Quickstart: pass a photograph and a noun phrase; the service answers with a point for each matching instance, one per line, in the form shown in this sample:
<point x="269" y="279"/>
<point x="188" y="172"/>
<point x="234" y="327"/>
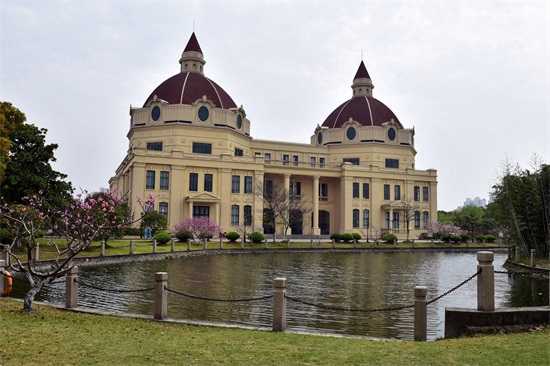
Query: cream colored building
<point x="190" y="147"/>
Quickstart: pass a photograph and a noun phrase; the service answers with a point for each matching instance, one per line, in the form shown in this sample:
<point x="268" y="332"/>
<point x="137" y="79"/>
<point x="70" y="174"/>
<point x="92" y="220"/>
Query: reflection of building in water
<point x="190" y="146"/>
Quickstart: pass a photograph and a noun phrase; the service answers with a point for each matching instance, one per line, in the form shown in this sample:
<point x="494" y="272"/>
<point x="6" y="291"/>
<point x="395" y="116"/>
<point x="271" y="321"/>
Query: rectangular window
<point x="425" y="194"/>
<point x="268" y="186"/>
<point x="234" y="215"/>
<point x="208" y="182"/>
<point x="193" y="182"/>
<point x="201" y="211"/>
<point x="238" y="152"/>
<point x="286" y="159"/>
<point x="417" y="219"/>
<point x="425" y="218"/>
<point x="313" y="161"/>
<point x="150" y="179"/>
<point x="386" y="192"/>
<point x="354" y="161"/>
<point x="322" y="162"/>
<point x="397" y="192"/>
<point x="366" y="219"/>
<point x="247" y="184"/>
<point x="236" y="184"/>
<point x="366" y="191"/>
<point x="295" y="189"/>
<point x="202" y="148"/>
<point x="416" y="193"/>
<point x="154" y="146"/>
<point x="164" y="180"/>
<point x="248" y="215"/>
<point x="323" y="191"/>
<point x="392" y="163"/>
<point x="396" y="220"/>
<point x="355" y="218"/>
<point x="163" y="208"/>
<point x="295" y="160"/>
<point x="355" y="190"/>
<point x="267" y="158"/>
<point x="387" y="217"/>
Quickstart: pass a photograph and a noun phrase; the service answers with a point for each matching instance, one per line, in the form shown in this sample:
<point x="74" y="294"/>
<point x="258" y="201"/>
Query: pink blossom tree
<point x="86" y="219"/>
<point x="199" y="227"/>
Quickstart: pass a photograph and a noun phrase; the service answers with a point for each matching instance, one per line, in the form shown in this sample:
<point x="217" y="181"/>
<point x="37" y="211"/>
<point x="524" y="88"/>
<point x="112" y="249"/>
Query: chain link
<point x="529" y="272"/>
<point x="456" y="287"/>
<point x="112" y="290"/>
<point x="348" y="309"/>
<point x="218" y="300"/>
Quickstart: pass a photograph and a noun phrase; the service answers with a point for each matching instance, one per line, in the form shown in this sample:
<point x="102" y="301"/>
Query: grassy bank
<point x="60" y="337"/>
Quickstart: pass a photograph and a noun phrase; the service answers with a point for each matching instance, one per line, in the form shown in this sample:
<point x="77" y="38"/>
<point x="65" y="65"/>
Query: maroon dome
<point x="188" y="87"/>
<point x="366" y="110"/>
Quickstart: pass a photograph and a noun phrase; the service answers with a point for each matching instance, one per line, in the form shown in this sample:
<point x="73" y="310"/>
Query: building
<point x="190" y="147"/>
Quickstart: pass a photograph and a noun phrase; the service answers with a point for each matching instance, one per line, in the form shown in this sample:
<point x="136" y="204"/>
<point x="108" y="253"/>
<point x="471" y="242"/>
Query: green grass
<point x="60" y="337"/>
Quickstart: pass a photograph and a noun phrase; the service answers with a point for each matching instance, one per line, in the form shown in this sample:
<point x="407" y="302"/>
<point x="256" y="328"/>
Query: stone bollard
<point x="412" y="243"/>
<point x="205" y="242"/>
<point x="242" y="243"/>
<point x="333" y="243"/>
<point x="279" y="304"/>
<point x="37" y="252"/>
<point x="6" y="258"/>
<point x="288" y="243"/>
<point x="2" y="268"/>
<point x="71" y="288"/>
<point x="131" y="247"/>
<point x="486" y="281"/>
<point x="102" y="249"/>
<point x="161" y="295"/>
<point x="173" y="246"/>
<point x="311" y="243"/>
<point x="154" y="245"/>
<point x="188" y="244"/>
<point x="420" y="314"/>
<point x="221" y="243"/>
<point x="533" y="258"/>
<point x="265" y="244"/>
<point x="354" y="243"/>
<point x="518" y="258"/>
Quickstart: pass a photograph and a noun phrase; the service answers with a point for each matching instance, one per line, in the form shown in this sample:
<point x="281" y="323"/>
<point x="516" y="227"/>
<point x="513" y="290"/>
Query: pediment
<point x="203" y="196"/>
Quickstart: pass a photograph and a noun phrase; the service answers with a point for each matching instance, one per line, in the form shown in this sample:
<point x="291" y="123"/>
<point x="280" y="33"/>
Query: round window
<point x="319" y="138"/>
<point x="239" y="122"/>
<point x="203" y="113"/>
<point x="155" y="113"/>
<point x="391" y="134"/>
<point x="351" y="133"/>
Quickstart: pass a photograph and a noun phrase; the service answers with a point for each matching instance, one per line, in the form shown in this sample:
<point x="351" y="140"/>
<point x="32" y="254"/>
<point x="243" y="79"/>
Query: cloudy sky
<point x="472" y="77"/>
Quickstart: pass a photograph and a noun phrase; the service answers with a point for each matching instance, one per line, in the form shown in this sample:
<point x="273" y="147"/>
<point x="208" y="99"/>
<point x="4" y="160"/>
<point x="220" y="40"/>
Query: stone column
<point x="518" y="257"/>
<point x="279" y="305"/>
<point x="161" y="295"/>
<point x="316" y="230"/>
<point x="485" y="281"/>
<point x="37" y="252"/>
<point x="173" y="245"/>
<point x="131" y="247"/>
<point x="533" y="258"/>
<point x="71" y="288"/>
<point x="154" y="245"/>
<point x="420" y="314"/>
<point x="102" y="249"/>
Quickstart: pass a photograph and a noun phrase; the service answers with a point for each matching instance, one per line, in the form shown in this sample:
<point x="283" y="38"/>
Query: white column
<point x="316" y="229"/>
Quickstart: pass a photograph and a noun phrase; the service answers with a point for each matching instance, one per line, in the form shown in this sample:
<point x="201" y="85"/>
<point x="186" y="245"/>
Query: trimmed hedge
<point x="162" y="237"/>
<point x="184" y="236"/>
<point x="347" y="237"/>
<point x="336" y="237"/>
<point x="389" y="238"/>
<point x="232" y="236"/>
<point x="356" y="236"/>
<point x="256" y="237"/>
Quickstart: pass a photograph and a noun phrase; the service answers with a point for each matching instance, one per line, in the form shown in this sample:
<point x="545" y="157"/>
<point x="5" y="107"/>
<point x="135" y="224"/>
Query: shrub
<point x="464" y="237"/>
<point x="423" y="236"/>
<point x="446" y="238"/>
<point x="480" y="237"/>
<point x="389" y="238"/>
<point x="336" y="237"/>
<point x="184" y="236"/>
<point x="134" y="231"/>
<point x="6" y="236"/>
<point x="347" y="237"/>
<point x="206" y="235"/>
<point x="39" y="234"/>
<point x="356" y="236"/>
<point x="456" y="238"/>
<point x="256" y="237"/>
<point x="162" y="237"/>
<point x="232" y="236"/>
<point x="490" y="238"/>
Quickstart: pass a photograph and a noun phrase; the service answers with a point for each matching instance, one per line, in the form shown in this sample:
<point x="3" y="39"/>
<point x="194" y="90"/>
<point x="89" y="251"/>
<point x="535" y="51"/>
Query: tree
<point x="28" y="169"/>
<point x="521" y="204"/>
<point x="408" y="207"/>
<point x="86" y="219"/>
<point x="11" y="119"/>
<point x="280" y="207"/>
<point x="200" y="227"/>
<point x="154" y="220"/>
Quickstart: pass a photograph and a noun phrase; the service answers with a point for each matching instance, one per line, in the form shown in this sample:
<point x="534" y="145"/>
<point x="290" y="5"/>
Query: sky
<point x="471" y="77"/>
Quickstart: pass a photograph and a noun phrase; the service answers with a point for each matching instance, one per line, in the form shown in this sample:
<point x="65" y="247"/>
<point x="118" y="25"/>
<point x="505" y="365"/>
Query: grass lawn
<point x="60" y="337"/>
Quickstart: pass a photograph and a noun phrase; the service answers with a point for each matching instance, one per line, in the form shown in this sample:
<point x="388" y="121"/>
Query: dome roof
<point x="188" y="87"/>
<point x="368" y="111"/>
<point x="362" y="107"/>
<point x="190" y="84"/>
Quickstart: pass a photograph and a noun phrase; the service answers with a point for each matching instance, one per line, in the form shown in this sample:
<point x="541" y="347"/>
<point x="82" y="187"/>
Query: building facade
<point x="190" y="147"/>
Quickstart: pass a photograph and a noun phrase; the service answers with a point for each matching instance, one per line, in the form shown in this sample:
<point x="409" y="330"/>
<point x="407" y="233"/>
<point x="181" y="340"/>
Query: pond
<point x="365" y="280"/>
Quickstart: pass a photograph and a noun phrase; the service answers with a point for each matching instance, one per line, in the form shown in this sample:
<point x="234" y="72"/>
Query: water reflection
<point x="370" y="280"/>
